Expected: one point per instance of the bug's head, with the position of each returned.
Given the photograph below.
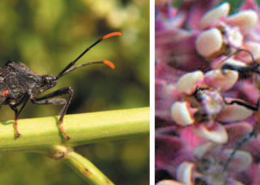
(48, 80)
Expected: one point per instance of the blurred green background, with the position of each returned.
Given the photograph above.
(46, 36)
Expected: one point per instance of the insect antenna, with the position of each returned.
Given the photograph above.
(69, 67)
(106, 62)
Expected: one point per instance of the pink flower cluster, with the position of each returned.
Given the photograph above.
(196, 127)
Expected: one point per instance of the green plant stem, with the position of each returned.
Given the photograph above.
(86, 169)
(42, 134)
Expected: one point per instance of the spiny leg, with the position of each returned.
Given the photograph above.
(15, 121)
(43, 101)
(17, 113)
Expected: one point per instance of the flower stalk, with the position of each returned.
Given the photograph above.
(88, 171)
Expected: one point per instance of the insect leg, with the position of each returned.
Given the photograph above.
(17, 113)
(43, 101)
(252, 68)
(238, 145)
(241, 103)
(247, 137)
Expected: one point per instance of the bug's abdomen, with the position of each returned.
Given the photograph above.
(4, 92)
(14, 86)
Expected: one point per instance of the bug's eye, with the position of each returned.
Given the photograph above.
(48, 79)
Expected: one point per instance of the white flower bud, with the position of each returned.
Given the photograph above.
(188, 82)
(217, 134)
(181, 114)
(234, 113)
(209, 42)
(245, 20)
(215, 14)
(185, 173)
(215, 78)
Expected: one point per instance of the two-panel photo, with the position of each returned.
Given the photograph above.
(127, 92)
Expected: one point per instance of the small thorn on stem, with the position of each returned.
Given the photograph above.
(62, 130)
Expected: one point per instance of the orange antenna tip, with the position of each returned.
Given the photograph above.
(110, 64)
(111, 35)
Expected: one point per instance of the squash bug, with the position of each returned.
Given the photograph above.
(18, 84)
(254, 69)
